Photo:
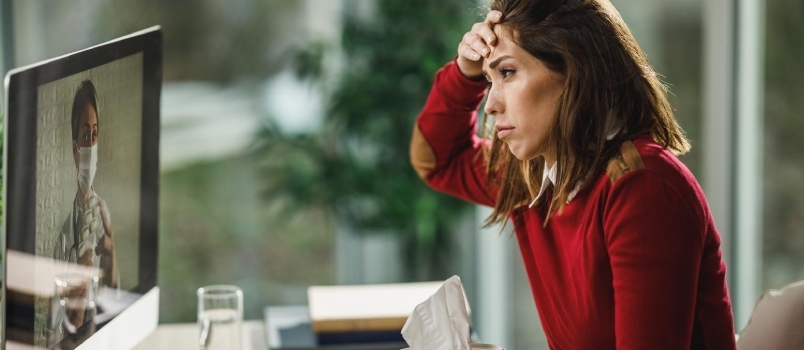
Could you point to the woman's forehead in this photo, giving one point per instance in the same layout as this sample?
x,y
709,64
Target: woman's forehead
x,y
504,46
502,30
89,116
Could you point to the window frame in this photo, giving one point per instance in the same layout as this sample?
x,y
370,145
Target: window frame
x,y
732,133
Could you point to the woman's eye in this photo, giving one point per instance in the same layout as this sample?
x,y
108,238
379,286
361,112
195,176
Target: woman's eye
x,y
488,84
506,72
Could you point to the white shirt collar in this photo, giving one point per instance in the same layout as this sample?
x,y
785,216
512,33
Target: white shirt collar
x,y
549,172
549,178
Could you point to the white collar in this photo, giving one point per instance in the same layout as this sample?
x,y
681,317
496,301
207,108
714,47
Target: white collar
x,y
549,172
548,178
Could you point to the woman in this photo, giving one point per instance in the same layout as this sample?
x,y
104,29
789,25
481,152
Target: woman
x,y
617,238
86,237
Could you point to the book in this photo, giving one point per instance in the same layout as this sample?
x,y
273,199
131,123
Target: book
x,y
361,308
289,328
375,338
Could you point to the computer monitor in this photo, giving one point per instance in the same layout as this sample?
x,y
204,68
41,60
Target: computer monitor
x,y
80,197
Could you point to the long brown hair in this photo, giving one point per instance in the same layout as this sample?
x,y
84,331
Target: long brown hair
x,y
607,81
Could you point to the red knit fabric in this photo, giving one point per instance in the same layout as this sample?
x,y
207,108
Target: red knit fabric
x,y
631,265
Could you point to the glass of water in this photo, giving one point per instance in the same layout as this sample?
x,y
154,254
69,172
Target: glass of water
x,y
73,307
220,317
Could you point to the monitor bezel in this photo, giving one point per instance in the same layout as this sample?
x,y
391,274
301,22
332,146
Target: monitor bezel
x,y
20,153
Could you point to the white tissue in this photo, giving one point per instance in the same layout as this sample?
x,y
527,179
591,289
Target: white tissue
x,y
442,321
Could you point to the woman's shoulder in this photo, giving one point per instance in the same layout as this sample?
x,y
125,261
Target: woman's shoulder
x,y
645,172
651,159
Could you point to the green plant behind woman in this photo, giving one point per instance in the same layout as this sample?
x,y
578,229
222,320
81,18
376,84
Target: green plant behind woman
x,y
356,166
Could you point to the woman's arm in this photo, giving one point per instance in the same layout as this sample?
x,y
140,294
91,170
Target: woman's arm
x,y
655,233
445,149
668,276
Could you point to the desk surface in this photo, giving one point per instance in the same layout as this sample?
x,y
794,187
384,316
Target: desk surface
x,y
184,336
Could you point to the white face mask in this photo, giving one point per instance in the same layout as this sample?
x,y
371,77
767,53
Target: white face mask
x,y
87,165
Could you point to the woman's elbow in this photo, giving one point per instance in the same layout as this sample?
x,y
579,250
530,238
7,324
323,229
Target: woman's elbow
x,y
422,157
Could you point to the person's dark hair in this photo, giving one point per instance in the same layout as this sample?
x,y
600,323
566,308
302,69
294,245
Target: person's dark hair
x,y
607,81
85,95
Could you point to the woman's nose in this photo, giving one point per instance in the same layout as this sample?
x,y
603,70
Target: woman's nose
x,y
494,105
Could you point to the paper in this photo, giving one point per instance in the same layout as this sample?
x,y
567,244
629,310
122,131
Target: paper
x,y
442,321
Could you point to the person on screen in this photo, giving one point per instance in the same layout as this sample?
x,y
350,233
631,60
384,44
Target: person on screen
x,y
87,238
615,233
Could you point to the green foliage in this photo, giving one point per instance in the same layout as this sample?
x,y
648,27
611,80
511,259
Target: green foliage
x,y
358,165
783,164
214,229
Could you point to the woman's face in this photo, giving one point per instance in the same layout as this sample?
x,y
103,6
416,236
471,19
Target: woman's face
x,y
87,131
88,127
522,97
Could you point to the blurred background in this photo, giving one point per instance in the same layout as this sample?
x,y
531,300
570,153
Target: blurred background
x,y
285,127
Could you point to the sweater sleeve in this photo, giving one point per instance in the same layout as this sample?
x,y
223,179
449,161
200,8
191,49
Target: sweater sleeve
x,y
655,238
445,149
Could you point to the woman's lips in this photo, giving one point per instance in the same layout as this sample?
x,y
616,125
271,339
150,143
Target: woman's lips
x,y
503,130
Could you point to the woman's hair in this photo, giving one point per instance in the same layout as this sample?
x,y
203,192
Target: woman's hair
x,y
85,95
608,84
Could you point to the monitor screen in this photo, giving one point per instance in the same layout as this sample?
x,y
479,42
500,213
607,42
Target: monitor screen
x,y
81,170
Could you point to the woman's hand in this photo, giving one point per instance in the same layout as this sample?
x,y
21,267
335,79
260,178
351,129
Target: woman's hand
x,y
106,250
86,258
476,45
105,247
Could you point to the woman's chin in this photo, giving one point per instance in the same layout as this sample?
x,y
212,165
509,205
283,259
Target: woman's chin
x,y
521,153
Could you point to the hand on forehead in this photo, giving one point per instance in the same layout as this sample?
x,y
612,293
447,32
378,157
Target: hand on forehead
x,y
503,49
500,46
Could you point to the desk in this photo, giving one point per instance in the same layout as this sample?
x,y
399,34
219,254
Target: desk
x,y
184,336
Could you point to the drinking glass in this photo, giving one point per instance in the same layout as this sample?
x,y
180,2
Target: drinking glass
x,y
220,317
74,306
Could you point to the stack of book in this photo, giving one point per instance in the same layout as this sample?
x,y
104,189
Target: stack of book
x,y
347,317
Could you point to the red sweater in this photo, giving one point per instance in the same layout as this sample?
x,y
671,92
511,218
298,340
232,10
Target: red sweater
x,y
632,262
